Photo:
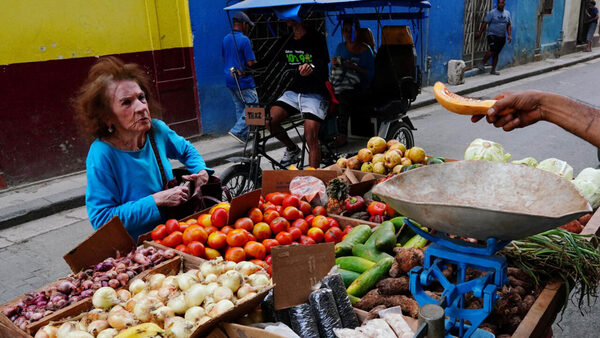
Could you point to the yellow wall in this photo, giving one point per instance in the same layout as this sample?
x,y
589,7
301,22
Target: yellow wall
x,y
41,30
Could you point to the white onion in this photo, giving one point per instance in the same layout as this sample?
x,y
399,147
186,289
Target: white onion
x,y
178,304
156,281
104,298
211,287
47,331
119,318
246,297
211,267
137,286
185,281
179,327
244,290
78,334
203,320
143,308
167,292
211,278
96,314
194,314
162,314
171,280
97,326
123,295
222,293
130,304
108,333
195,295
229,265
247,268
259,280
153,294
65,328
193,272
220,308
231,279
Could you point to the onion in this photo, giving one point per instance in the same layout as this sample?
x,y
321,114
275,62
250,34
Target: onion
x,y
171,280
211,267
130,304
123,278
178,304
161,314
86,284
136,286
259,280
244,290
123,295
96,314
87,293
231,279
141,259
195,295
65,328
167,292
209,303
143,308
169,253
156,281
78,334
247,268
222,293
153,293
179,327
185,281
108,333
247,297
203,320
211,278
47,331
113,283
194,314
119,319
229,265
104,298
220,308
66,287
96,326
211,287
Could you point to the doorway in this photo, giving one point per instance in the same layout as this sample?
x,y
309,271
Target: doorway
x,y
583,26
474,49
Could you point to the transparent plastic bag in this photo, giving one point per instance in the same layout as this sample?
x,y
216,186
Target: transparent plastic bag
x,y
310,189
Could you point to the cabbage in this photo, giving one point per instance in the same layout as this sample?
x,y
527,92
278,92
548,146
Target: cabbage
x,y
588,183
486,150
528,161
560,168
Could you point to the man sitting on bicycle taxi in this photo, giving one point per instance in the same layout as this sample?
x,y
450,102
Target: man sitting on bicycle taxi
x,y
307,52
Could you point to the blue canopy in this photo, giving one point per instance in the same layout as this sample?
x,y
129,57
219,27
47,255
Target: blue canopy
x,y
327,5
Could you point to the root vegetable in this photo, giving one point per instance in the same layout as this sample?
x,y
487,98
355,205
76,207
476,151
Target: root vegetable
x,y
409,258
137,286
434,295
519,274
393,286
584,219
408,305
231,279
514,282
395,270
156,281
520,291
104,298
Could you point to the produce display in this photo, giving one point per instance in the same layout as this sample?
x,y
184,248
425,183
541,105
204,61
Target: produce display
x,y
112,272
165,306
391,157
279,219
364,208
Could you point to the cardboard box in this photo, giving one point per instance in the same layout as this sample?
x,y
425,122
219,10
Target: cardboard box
x,y
279,180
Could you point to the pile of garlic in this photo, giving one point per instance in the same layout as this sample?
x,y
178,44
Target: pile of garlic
x,y
178,304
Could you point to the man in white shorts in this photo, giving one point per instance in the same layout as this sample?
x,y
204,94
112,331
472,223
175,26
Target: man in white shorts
x,y
306,95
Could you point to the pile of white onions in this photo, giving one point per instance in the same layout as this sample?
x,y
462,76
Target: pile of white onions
x,y
178,304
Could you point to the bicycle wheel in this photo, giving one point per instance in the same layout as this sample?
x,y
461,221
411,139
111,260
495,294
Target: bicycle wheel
x,y
401,132
236,179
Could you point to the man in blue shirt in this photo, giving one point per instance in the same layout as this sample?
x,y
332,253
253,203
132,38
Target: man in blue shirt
x,y
500,29
237,53
591,14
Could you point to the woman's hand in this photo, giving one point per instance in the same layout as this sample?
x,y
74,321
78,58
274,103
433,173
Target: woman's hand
x,y
305,69
514,110
172,197
199,179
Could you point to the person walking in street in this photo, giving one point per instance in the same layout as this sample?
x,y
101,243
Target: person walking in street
x,y
591,14
306,52
237,56
499,32
124,178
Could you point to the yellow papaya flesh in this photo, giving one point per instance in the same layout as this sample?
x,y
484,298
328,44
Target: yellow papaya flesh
x,y
460,104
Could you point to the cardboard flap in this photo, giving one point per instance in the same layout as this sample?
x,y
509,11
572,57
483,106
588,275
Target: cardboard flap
x,y
241,204
279,180
296,268
103,243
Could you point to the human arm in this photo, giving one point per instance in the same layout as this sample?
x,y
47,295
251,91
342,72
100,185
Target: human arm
x,y
319,59
509,32
481,30
532,106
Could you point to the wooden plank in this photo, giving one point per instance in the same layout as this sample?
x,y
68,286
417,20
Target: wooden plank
x,y
542,314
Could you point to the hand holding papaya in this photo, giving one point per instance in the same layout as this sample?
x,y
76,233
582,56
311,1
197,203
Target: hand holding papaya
x,y
514,110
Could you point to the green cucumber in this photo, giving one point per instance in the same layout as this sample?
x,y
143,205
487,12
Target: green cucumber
x,y
370,253
398,222
358,235
348,276
353,263
386,240
367,280
353,299
382,234
415,242
408,233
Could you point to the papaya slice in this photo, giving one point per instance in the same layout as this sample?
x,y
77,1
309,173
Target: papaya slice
x,y
460,104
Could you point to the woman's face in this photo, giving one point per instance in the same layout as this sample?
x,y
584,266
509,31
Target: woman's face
x,y
129,106
347,32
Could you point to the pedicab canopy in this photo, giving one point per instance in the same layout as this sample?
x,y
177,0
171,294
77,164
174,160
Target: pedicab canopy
x,y
325,5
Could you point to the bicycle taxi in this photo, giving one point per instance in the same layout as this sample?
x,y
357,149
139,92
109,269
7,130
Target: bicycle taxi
x,y
396,83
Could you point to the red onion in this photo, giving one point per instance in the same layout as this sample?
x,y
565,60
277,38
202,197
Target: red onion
x,y
169,253
87,284
104,283
141,259
123,278
36,316
111,274
113,283
131,274
87,293
66,287
10,311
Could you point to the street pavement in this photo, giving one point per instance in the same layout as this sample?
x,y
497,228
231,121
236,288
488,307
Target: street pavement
x,y
31,253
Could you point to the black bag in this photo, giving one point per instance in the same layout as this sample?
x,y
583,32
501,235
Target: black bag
x,y
210,193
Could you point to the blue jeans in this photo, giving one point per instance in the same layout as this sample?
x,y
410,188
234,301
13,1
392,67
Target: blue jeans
x,y
240,128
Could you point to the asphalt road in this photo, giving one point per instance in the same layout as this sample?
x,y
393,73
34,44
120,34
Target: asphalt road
x,y
31,253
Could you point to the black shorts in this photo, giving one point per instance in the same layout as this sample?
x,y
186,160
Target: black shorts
x,y
293,111
496,43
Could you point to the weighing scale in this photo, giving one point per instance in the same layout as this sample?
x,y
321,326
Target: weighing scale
x,y
494,202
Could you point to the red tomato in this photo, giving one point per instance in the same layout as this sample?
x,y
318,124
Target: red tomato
x,y
347,229
269,260
291,213
250,236
319,210
284,238
305,208
268,206
269,243
305,240
255,215
309,218
159,232
194,233
158,241
279,224
172,226
301,224
219,217
334,235
390,211
279,209
197,249
244,223
237,237
270,215
296,233
275,197
226,229
333,223
235,254
183,226
316,234
174,239
182,248
376,208
255,250
320,222
261,231
291,201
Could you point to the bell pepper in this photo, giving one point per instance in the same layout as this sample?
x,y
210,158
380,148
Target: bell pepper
x,y
376,208
355,204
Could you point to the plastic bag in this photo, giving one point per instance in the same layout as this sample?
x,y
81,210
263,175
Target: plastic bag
x,y
268,308
335,283
310,189
303,321
325,309
486,150
393,317
379,325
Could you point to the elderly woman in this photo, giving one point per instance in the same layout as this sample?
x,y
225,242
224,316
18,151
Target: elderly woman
x,y
123,177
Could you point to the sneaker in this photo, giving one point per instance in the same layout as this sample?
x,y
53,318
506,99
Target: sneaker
x,y
240,139
493,72
290,156
481,67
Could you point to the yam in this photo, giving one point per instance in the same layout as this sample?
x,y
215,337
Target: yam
x,y
514,282
395,270
393,286
434,295
584,219
489,327
409,306
370,300
520,291
409,258
519,274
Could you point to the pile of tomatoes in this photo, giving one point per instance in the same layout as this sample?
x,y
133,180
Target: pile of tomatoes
x,y
279,219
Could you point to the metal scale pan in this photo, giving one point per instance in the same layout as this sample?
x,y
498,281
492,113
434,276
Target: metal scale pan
x,y
482,199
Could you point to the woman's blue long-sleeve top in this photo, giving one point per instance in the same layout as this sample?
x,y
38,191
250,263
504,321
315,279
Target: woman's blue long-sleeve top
x,y
121,183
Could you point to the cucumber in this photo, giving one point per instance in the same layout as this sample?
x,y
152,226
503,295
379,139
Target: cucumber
x,y
415,242
408,233
367,280
398,222
370,253
382,234
358,235
386,240
353,263
353,299
348,276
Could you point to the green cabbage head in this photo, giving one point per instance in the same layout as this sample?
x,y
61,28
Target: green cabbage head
x,y
528,161
588,183
559,167
486,150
